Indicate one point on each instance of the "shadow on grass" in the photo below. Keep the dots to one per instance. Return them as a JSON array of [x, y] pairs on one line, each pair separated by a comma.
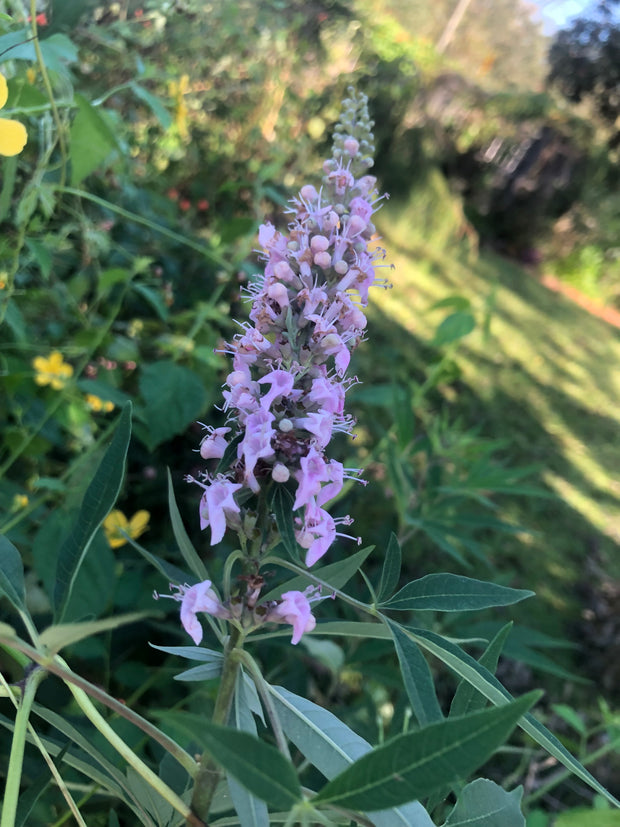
[[545, 379]]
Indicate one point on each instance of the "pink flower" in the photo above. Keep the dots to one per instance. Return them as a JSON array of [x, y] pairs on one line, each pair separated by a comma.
[[194, 599], [256, 444], [218, 504], [214, 445], [199, 598], [295, 609]]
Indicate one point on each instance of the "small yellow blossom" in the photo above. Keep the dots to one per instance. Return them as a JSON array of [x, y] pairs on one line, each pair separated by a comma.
[[97, 405], [13, 135], [19, 501], [52, 371], [178, 90], [116, 522]]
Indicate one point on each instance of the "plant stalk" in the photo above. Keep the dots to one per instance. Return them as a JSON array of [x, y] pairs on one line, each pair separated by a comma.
[[209, 773], [16, 760]]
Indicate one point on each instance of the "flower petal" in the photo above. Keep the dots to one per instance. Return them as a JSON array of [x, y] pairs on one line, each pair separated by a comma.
[[138, 524], [13, 137], [4, 91]]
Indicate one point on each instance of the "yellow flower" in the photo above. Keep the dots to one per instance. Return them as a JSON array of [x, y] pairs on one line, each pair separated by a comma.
[[97, 405], [19, 501], [52, 371], [178, 90], [116, 522], [13, 135]]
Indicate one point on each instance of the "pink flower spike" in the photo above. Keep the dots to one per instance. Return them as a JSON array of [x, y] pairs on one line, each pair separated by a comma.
[[198, 598]]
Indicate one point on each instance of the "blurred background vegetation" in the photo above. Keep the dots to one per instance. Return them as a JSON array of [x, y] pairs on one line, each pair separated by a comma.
[[488, 407]]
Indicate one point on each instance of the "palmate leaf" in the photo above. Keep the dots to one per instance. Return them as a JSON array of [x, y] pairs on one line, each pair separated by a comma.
[[485, 804], [415, 764], [98, 501], [263, 770], [487, 684], [453, 593], [332, 746], [466, 699]]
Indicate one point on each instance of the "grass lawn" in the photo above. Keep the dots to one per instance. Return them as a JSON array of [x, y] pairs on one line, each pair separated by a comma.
[[545, 375]]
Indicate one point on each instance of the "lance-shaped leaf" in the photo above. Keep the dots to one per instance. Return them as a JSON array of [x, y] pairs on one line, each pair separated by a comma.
[[466, 699], [12, 575], [263, 770], [60, 635], [282, 505], [252, 811], [481, 679], [335, 574], [453, 593], [100, 496], [417, 677], [190, 555], [412, 765], [485, 804], [332, 746], [391, 569]]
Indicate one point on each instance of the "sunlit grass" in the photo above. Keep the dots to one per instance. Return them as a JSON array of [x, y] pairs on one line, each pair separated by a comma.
[[545, 376]]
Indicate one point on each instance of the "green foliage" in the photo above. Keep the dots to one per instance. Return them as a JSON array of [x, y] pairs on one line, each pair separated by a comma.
[[127, 226]]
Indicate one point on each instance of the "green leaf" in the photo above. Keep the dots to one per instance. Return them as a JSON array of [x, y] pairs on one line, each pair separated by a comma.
[[454, 327], [453, 593], [336, 575], [412, 765], [263, 770], [204, 672], [98, 501], [331, 747], [92, 140], [485, 804], [189, 652], [391, 569], [154, 103], [190, 555], [174, 397], [252, 811], [12, 575], [468, 668], [60, 635], [281, 503], [466, 698], [417, 677], [593, 818]]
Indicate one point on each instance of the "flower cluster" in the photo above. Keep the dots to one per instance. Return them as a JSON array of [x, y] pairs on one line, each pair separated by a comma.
[[52, 370], [285, 395], [293, 608]]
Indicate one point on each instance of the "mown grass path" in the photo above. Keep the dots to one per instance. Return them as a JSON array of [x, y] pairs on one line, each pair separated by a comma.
[[545, 373]]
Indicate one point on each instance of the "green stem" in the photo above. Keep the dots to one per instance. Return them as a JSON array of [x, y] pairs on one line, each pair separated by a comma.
[[612, 746], [87, 707], [287, 564], [58, 667], [50, 92], [209, 773], [263, 690], [158, 228], [16, 760]]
